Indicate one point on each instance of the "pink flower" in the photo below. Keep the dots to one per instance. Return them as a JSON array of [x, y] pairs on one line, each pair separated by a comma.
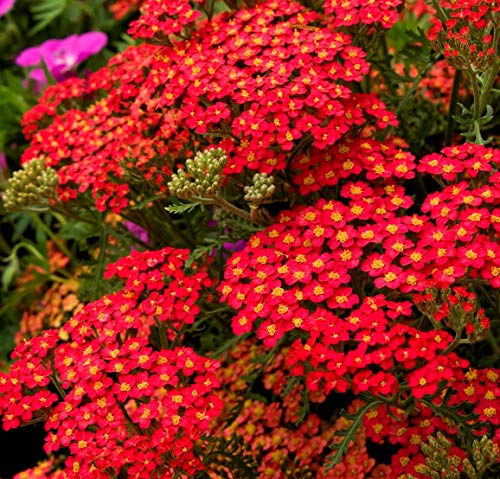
[[6, 6], [61, 57], [3, 166], [3, 161]]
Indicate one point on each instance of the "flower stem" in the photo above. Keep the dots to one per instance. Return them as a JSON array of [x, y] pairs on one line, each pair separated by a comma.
[[56, 384], [51, 235], [452, 107]]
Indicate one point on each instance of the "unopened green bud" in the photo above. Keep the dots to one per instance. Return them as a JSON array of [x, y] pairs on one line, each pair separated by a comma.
[[31, 188], [262, 187], [443, 441], [484, 453], [202, 176], [469, 470]]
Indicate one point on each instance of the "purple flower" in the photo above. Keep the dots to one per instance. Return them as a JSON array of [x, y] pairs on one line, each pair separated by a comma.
[[3, 166], [3, 161], [235, 247], [232, 247], [140, 233], [5, 6], [61, 57]]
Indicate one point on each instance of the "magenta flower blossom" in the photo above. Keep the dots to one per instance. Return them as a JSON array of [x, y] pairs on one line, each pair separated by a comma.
[[235, 247], [3, 166], [5, 6], [138, 231], [61, 57]]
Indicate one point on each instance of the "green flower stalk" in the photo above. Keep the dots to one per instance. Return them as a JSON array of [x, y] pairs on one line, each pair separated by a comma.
[[201, 182], [472, 48], [31, 188]]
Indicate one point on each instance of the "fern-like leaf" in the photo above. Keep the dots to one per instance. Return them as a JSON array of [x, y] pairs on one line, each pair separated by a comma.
[[349, 433], [181, 208], [45, 12]]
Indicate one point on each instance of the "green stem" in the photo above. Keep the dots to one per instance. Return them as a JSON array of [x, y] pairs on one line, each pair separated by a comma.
[[127, 417], [56, 384], [162, 333], [387, 67], [173, 231], [487, 86], [100, 265], [51, 235], [453, 106], [224, 204], [440, 13], [456, 342], [476, 93], [229, 207], [409, 94], [31, 248], [71, 214], [481, 96], [4, 246]]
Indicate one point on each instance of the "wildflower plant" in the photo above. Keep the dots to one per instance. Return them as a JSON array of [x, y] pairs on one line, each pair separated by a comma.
[[289, 266]]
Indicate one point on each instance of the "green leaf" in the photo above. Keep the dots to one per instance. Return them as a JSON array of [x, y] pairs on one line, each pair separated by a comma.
[[182, 208], [22, 221], [349, 434], [143, 204], [78, 231], [45, 12], [9, 273], [124, 42], [7, 333], [291, 382], [304, 408]]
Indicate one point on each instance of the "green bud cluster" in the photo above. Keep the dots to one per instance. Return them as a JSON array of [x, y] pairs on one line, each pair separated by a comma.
[[439, 463], [202, 177], [262, 187], [484, 454], [223, 218], [31, 188]]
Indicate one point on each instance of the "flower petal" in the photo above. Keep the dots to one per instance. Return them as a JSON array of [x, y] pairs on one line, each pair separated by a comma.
[[29, 57], [5, 6], [38, 75], [89, 44]]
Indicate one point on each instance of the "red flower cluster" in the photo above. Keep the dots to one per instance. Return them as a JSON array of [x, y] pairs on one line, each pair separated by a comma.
[[167, 18], [369, 293], [309, 257], [468, 389], [127, 405], [313, 271], [260, 83], [365, 159], [55, 302], [464, 162], [352, 12], [466, 32], [120, 8], [282, 449], [457, 309]]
